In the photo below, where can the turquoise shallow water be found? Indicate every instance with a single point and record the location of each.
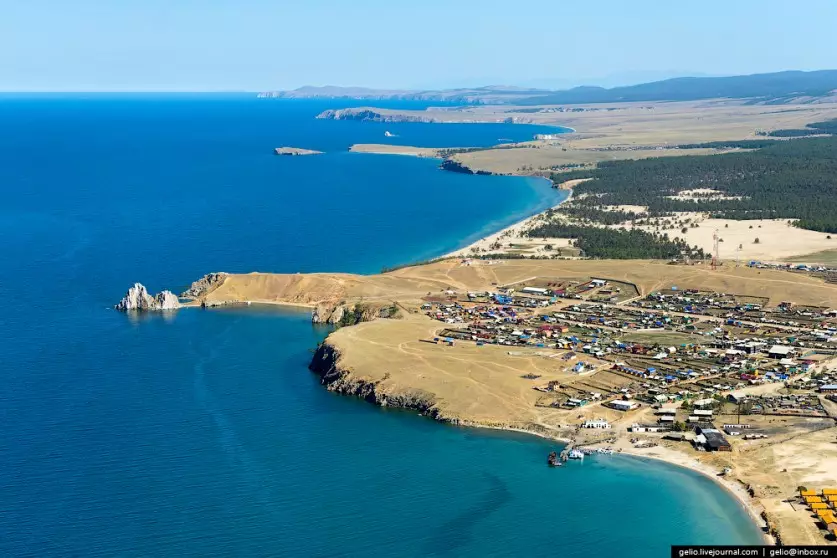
(203, 433)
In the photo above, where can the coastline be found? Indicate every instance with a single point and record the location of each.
(344, 380)
(515, 230)
(750, 506)
(388, 149)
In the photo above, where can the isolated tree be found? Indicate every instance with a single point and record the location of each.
(756, 241)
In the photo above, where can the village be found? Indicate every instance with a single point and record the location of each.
(699, 371)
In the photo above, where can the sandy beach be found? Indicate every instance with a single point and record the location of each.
(515, 234)
(623, 449)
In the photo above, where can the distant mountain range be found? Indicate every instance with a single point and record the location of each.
(478, 95)
(773, 88)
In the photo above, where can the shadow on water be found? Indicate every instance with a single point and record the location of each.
(458, 532)
(240, 460)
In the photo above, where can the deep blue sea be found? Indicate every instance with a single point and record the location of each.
(203, 433)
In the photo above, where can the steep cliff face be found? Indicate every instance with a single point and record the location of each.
(346, 314)
(455, 166)
(138, 299)
(326, 364)
(204, 285)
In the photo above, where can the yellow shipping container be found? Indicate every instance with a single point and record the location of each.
(829, 491)
(819, 506)
(812, 499)
(808, 492)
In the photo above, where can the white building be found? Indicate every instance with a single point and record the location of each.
(622, 405)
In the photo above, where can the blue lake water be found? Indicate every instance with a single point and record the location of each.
(203, 433)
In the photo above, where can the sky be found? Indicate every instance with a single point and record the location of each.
(255, 45)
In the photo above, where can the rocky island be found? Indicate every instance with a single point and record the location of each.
(138, 299)
(293, 151)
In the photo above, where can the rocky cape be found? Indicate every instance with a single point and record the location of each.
(379, 115)
(205, 285)
(456, 166)
(326, 364)
(138, 299)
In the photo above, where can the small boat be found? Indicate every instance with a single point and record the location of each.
(576, 454)
(389, 134)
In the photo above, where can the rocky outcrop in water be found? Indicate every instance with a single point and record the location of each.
(138, 299)
(204, 285)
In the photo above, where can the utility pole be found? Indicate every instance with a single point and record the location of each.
(715, 259)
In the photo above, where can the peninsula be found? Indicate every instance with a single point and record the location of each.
(656, 355)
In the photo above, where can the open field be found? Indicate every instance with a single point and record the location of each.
(413, 283)
(777, 239)
(825, 257)
(554, 154)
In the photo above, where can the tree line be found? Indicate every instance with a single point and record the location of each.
(620, 244)
(794, 180)
(824, 127)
